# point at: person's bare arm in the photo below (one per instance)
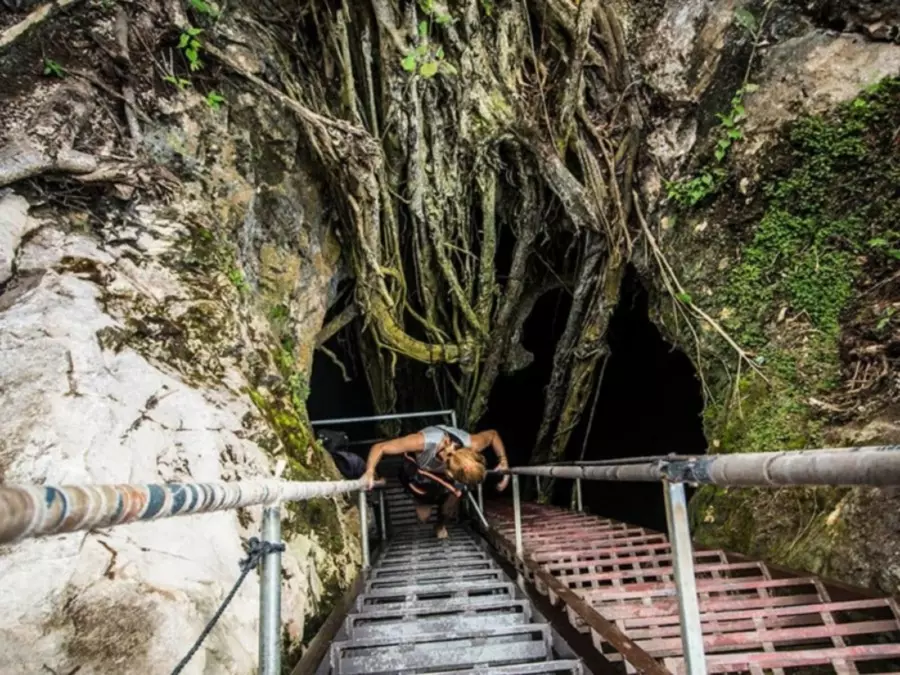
(490, 438)
(396, 446)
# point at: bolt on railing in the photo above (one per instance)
(872, 465)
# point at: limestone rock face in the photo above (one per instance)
(144, 340)
(831, 383)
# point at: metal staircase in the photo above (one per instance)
(442, 606)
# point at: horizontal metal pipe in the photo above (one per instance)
(38, 510)
(871, 465)
(382, 418)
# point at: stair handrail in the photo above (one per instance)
(877, 465)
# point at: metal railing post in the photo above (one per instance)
(453, 418)
(481, 497)
(270, 596)
(579, 503)
(685, 581)
(364, 528)
(381, 515)
(517, 510)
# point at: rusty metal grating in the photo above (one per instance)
(751, 621)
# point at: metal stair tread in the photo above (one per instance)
(454, 623)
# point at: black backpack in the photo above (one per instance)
(337, 444)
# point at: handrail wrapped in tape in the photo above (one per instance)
(872, 465)
(37, 510)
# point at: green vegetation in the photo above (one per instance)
(835, 206)
(214, 100)
(190, 45)
(237, 279)
(826, 233)
(689, 192)
(53, 69)
(427, 56)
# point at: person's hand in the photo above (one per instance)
(505, 481)
(369, 478)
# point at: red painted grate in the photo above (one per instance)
(751, 621)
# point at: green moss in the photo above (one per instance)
(830, 208)
(827, 229)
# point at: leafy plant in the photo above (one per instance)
(427, 57)
(203, 7)
(747, 20)
(190, 44)
(214, 100)
(51, 67)
(691, 191)
(439, 17)
(885, 319)
(237, 279)
(179, 82)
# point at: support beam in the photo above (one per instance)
(685, 581)
(270, 596)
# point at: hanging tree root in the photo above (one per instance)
(444, 137)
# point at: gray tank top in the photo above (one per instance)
(428, 459)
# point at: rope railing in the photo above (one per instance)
(869, 465)
(40, 510)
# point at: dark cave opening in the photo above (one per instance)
(650, 403)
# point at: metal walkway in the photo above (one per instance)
(432, 606)
(752, 619)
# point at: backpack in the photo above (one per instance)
(337, 443)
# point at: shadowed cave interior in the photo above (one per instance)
(650, 402)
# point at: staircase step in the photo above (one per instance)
(501, 646)
(437, 578)
(412, 612)
(414, 568)
(416, 606)
(402, 628)
(542, 668)
(411, 592)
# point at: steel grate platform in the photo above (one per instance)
(432, 606)
(752, 622)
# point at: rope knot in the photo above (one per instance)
(257, 550)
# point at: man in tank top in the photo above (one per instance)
(438, 458)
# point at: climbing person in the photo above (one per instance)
(439, 462)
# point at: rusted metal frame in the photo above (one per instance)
(730, 662)
(769, 613)
(841, 667)
(552, 528)
(639, 563)
(642, 661)
(637, 591)
(658, 572)
(613, 553)
(582, 550)
(601, 543)
(669, 608)
(665, 647)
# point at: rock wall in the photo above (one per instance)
(156, 324)
(771, 181)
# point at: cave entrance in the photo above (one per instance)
(650, 403)
(331, 396)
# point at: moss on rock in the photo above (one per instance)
(785, 269)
